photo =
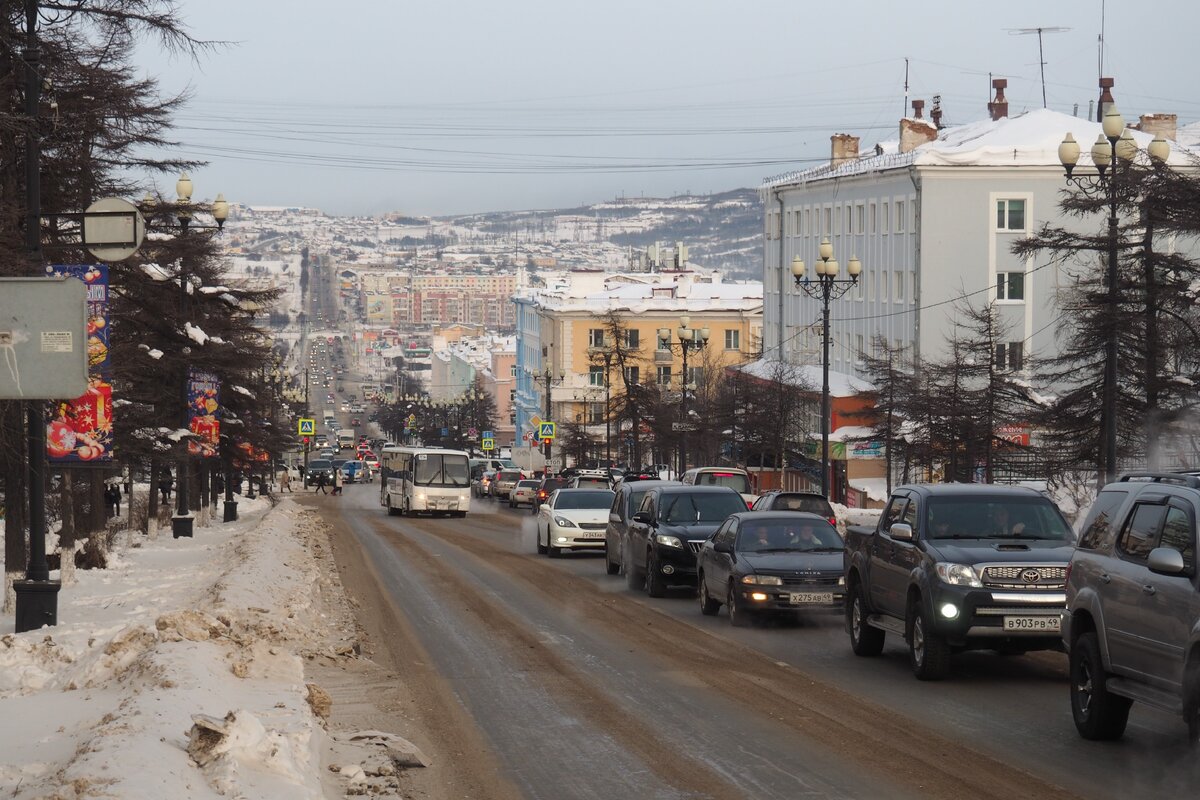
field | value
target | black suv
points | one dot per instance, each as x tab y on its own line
812	502
1133	610
667	531
629	497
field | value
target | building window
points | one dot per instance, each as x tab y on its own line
899	281
633	375
632	339
837	220
1010	215
884	285
695	376
512	371
860	218
595	414
596	337
884	224
595	376
807	221
664	376
1010	356
873	215
733	339
828	228
1010	286
899	216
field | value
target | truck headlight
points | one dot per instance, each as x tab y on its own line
668	541
958	575
763	580
563	522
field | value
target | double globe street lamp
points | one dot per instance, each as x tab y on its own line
825	288
690	340
1114	148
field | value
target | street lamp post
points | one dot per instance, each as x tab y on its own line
690	339
548	377
825	288
1113	146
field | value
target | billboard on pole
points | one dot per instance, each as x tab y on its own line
81	430
204	399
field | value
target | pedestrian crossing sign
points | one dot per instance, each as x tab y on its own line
546	430
307	427
489	444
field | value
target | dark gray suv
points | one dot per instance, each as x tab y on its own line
1133	610
628	497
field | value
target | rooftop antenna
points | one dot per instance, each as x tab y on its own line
904	112
1041	57
1100	51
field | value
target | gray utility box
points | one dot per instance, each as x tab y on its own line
43	338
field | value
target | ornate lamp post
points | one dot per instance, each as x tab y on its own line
1112	148
690	340
826	287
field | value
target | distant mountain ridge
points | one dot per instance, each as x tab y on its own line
722	231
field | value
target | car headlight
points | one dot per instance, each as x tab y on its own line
668	541
763	580
842	581
958	575
563	522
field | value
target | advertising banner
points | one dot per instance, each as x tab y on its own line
204	399
80	431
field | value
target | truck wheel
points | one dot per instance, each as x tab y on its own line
609	567
1098	714
391	511
633	578
656	585
927	650
864	640
708	606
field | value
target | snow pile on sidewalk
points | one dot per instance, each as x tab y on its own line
176	672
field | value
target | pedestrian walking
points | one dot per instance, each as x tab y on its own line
112	497
337	481
321	482
285	481
164	486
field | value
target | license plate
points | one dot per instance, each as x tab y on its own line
1033	623
798	598
593	535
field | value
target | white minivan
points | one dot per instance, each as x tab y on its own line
734	478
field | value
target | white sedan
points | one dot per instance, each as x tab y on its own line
573	519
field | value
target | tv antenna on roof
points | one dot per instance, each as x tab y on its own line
1041	57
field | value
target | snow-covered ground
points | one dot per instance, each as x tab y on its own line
178	671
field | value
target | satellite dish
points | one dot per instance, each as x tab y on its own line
113	229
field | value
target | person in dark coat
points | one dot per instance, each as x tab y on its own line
112	497
321	481
164	486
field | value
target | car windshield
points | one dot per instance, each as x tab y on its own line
583	498
318	464
801	502
787	535
734	480
992	517
689	509
436	469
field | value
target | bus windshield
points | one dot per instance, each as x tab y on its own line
435	469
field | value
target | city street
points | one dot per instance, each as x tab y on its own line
573	685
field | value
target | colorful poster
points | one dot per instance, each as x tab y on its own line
204	399
80	430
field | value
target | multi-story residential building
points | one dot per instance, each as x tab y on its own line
455	296
560	331
932	217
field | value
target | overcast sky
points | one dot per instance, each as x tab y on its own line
453	106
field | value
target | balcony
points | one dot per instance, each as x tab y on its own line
663	357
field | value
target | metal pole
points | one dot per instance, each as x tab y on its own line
607	413
37	595
1110	343
683	346
181	524
826	287
549	418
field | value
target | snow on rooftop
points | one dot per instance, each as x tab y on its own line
1025	140
806	376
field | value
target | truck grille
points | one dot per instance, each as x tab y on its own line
1025	576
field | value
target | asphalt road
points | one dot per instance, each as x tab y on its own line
583	688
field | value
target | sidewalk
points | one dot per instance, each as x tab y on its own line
214	630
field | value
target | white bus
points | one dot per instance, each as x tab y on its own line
425	479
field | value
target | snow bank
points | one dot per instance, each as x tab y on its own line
177	632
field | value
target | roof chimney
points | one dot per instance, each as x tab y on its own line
998	108
936	113
1158	123
916	130
842	148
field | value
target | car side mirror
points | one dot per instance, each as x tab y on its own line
641	516
722	547
901	532
1165	561
614	516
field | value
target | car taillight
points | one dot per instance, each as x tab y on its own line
833	521
749	505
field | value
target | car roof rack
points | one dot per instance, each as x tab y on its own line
1189	479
